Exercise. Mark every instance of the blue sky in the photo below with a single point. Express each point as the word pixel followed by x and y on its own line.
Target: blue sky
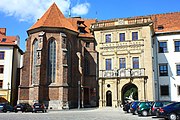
pixel 19 15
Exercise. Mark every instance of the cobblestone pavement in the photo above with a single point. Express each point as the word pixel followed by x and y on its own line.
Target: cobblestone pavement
pixel 75 114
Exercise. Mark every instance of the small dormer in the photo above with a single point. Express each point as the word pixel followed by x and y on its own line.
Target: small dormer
pixel 81 26
pixel 3 40
pixel 160 27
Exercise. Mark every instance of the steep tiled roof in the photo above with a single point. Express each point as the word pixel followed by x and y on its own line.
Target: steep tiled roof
pixel 7 40
pixel 167 22
pixel 86 23
pixel 53 17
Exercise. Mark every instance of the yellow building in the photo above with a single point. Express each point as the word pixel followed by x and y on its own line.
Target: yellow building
pixel 125 60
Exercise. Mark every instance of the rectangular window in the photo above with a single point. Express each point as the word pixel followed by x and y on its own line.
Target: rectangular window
pixel 163 69
pixel 122 37
pixel 178 87
pixel 178 69
pixel 122 63
pixel 164 90
pixel 1 69
pixel 1 83
pixel 135 62
pixel 162 47
pixel 134 35
pixel 177 46
pixel 1 55
pixel 87 44
pixel 108 38
pixel 108 64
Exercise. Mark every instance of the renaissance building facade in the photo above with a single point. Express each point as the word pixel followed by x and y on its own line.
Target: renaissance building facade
pixel 56 67
pixel 125 60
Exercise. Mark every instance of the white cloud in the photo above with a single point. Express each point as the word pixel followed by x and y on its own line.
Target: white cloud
pixel 31 10
pixel 81 9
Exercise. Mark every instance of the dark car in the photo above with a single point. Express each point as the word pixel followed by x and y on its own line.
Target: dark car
pixel 4 107
pixel 24 107
pixel 143 108
pixel 39 107
pixel 133 107
pixel 157 105
pixel 170 111
pixel 126 106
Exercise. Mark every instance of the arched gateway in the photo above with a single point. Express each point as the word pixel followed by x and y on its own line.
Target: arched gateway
pixel 129 92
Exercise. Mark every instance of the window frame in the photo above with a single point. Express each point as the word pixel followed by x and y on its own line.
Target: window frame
pixel 177 46
pixel 134 60
pixel 135 36
pixel 164 48
pixel 178 90
pixel 2 55
pixel 163 72
pixel 1 69
pixel 108 38
pixel 122 37
pixel 87 44
pixel 164 90
pixel 178 69
pixel 122 63
pixel 108 64
pixel 52 60
pixel 1 84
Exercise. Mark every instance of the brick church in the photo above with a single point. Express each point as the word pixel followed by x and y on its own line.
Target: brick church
pixel 59 67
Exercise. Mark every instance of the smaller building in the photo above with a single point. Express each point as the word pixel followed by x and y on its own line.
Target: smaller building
pixel 10 64
pixel 166 56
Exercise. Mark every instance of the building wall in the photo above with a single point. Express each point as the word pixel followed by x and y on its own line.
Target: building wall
pixel 171 58
pixel 6 76
pixel 141 48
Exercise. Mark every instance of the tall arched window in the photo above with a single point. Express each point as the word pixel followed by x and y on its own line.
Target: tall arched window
pixel 34 71
pixel 52 61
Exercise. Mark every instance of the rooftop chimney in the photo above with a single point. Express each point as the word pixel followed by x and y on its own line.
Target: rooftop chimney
pixel 2 31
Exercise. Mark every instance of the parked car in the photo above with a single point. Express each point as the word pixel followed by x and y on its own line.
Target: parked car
pixel 157 105
pixel 143 108
pixel 4 107
pixel 133 107
pixel 39 107
pixel 24 107
pixel 170 111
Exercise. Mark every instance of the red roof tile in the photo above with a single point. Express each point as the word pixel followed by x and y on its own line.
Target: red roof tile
pixel 85 23
pixel 53 17
pixel 169 21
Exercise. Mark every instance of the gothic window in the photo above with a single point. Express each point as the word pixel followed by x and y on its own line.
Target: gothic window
pixel 35 47
pixel 51 61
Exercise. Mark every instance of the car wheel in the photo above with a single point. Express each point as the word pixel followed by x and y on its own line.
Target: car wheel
pixel 128 111
pixel 172 116
pixel 135 112
pixel 144 113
